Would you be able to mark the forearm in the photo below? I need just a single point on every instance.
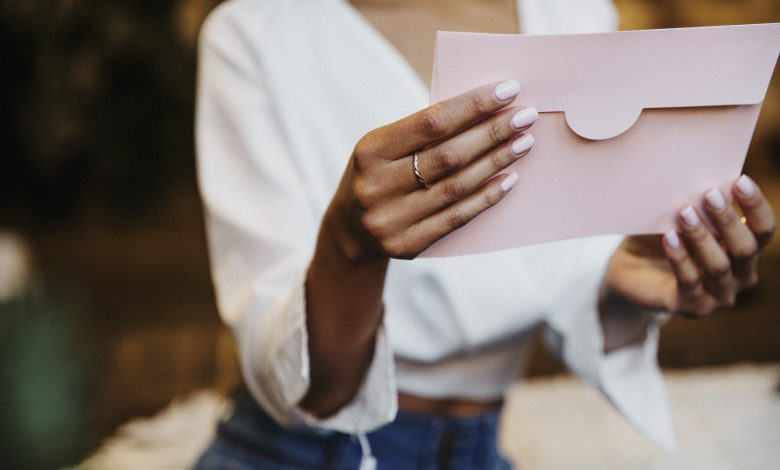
(381, 211)
(344, 311)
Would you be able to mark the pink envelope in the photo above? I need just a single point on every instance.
(633, 125)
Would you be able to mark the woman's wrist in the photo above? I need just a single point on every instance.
(343, 314)
(623, 322)
(338, 233)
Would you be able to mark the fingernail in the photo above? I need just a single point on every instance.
(508, 182)
(689, 217)
(507, 89)
(524, 118)
(672, 239)
(523, 144)
(745, 186)
(715, 200)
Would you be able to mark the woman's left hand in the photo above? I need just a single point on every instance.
(692, 271)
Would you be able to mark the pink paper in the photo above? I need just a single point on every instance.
(633, 125)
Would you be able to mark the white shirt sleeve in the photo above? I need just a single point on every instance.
(629, 376)
(262, 232)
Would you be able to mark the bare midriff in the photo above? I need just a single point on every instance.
(456, 407)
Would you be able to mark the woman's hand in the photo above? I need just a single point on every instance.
(381, 209)
(696, 272)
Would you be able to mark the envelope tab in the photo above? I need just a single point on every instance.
(618, 74)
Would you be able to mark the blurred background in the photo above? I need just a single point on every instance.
(106, 306)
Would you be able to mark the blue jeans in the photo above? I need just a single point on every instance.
(250, 439)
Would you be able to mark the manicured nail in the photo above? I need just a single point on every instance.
(672, 239)
(507, 89)
(524, 118)
(508, 182)
(745, 186)
(523, 144)
(715, 200)
(689, 217)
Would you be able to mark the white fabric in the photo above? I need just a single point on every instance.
(285, 89)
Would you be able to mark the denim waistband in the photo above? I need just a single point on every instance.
(412, 440)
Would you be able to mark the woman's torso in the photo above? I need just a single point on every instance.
(458, 326)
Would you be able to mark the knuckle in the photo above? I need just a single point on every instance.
(375, 223)
(689, 283)
(746, 251)
(499, 160)
(452, 189)
(389, 247)
(681, 257)
(365, 193)
(753, 203)
(455, 220)
(727, 218)
(434, 121)
(699, 234)
(365, 150)
(445, 158)
(495, 132)
(718, 270)
(478, 104)
(491, 197)
(397, 248)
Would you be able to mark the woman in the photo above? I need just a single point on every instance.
(352, 359)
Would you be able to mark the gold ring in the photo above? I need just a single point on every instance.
(417, 174)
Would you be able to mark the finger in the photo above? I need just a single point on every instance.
(457, 215)
(458, 152)
(459, 185)
(690, 295)
(760, 217)
(709, 255)
(739, 240)
(437, 122)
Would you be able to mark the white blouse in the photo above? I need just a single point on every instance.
(285, 90)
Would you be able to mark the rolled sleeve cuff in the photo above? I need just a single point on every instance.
(628, 376)
(276, 370)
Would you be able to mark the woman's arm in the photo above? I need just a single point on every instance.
(302, 291)
(380, 211)
(693, 273)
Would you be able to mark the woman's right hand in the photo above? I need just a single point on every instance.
(380, 208)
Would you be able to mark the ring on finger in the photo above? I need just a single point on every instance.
(417, 174)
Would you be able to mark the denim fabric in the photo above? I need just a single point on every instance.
(250, 439)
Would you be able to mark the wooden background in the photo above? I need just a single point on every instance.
(122, 259)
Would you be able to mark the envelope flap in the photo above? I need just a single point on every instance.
(603, 81)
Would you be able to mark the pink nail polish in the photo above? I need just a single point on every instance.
(672, 239)
(746, 186)
(507, 89)
(689, 217)
(524, 118)
(524, 143)
(508, 182)
(715, 199)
